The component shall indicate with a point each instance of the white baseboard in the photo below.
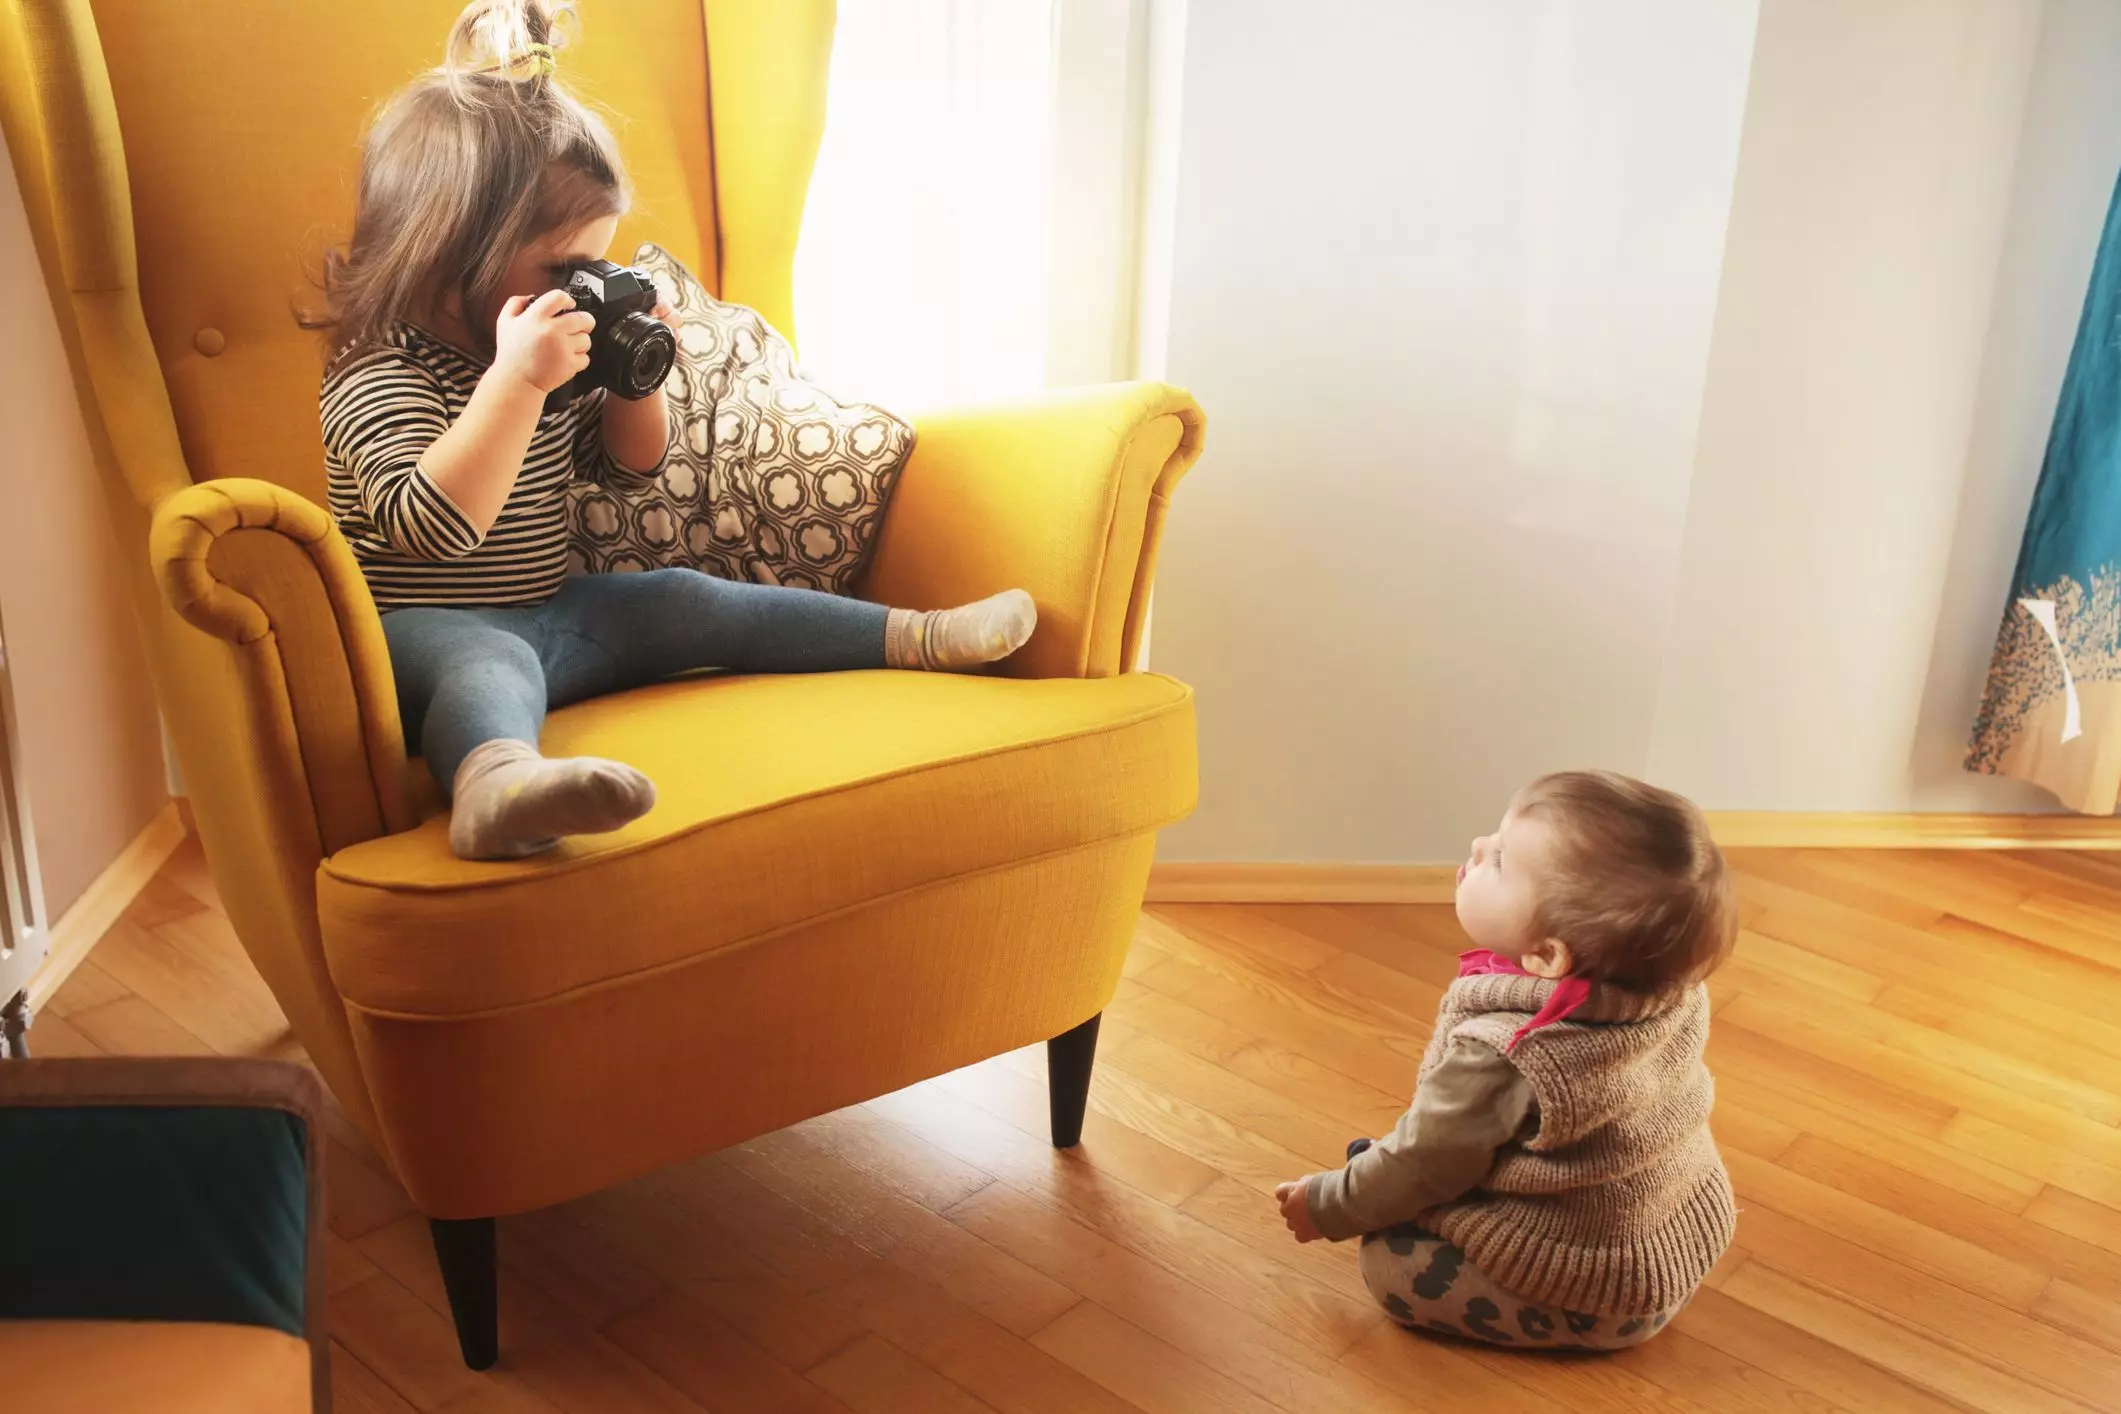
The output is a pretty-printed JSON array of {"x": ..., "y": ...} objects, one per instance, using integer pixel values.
[
  {"x": 104, "y": 901},
  {"x": 1275, "y": 882},
  {"x": 1826, "y": 829},
  {"x": 1301, "y": 883}
]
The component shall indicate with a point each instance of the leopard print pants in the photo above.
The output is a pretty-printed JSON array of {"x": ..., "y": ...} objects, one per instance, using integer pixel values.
[{"x": 1426, "y": 1283}]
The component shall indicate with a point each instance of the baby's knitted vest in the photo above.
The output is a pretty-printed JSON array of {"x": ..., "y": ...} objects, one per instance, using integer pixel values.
[{"x": 1613, "y": 1199}]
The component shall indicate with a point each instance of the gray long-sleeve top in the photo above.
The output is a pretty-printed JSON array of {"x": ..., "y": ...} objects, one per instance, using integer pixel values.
[{"x": 1473, "y": 1103}]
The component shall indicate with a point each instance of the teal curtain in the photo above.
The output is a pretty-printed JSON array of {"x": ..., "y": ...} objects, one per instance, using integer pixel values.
[{"x": 2070, "y": 559}]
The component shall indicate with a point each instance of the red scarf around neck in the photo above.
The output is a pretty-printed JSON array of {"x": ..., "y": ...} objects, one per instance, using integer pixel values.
[{"x": 1569, "y": 992}]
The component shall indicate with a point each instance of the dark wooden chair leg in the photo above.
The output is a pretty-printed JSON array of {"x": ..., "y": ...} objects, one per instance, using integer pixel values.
[
  {"x": 1069, "y": 1057},
  {"x": 464, "y": 1247}
]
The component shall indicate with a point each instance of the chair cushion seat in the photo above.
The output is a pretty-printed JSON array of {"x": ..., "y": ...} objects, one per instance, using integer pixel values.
[
  {"x": 781, "y": 800},
  {"x": 171, "y": 1367}
]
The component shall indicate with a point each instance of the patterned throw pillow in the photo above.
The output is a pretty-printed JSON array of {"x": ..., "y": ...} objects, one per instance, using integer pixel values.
[{"x": 770, "y": 480}]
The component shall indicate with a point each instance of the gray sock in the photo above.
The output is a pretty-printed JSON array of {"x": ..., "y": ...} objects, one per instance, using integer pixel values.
[
  {"x": 951, "y": 640},
  {"x": 510, "y": 801}
]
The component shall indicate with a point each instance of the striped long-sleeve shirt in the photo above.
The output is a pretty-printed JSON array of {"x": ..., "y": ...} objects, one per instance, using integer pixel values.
[{"x": 382, "y": 410}]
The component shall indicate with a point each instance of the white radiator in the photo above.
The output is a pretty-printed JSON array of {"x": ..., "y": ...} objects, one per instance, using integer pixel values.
[{"x": 27, "y": 939}]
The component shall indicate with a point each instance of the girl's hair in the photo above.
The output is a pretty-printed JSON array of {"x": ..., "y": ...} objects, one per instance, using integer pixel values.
[
  {"x": 1640, "y": 892},
  {"x": 464, "y": 169}
]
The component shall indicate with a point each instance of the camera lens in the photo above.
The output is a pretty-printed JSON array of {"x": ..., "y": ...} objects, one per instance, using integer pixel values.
[{"x": 642, "y": 350}]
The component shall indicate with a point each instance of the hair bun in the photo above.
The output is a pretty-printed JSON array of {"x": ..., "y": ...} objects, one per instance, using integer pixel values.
[{"x": 514, "y": 40}]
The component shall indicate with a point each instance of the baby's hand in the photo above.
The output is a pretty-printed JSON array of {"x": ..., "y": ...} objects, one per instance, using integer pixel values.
[
  {"x": 544, "y": 341},
  {"x": 1296, "y": 1209}
]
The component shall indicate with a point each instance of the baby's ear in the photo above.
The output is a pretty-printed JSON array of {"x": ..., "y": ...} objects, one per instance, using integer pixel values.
[{"x": 1549, "y": 958}]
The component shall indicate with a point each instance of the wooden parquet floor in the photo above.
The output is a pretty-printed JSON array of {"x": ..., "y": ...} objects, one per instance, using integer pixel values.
[{"x": 1918, "y": 1060}]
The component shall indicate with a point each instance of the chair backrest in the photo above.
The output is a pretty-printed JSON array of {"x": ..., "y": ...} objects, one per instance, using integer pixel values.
[{"x": 241, "y": 125}]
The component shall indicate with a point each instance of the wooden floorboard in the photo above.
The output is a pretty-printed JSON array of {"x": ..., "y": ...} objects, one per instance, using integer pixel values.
[{"x": 1919, "y": 1067}]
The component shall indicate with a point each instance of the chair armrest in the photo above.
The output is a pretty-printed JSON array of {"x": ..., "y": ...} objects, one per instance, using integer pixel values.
[
  {"x": 1063, "y": 495},
  {"x": 267, "y": 572}
]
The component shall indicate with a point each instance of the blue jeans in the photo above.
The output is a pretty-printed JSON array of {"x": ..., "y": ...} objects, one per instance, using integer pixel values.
[{"x": 470, "y": 676}]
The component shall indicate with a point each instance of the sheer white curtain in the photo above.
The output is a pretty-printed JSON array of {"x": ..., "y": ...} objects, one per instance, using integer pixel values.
[{"x": 924, "y": 273}]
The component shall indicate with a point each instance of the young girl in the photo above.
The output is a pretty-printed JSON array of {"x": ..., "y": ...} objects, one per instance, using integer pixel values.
[
  {"x": 448, "y": 474},
  {"x": 1554, "y": 1183}
]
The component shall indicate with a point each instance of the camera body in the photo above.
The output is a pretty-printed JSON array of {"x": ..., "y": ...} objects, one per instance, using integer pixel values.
[{"x": 630, "y": 350}]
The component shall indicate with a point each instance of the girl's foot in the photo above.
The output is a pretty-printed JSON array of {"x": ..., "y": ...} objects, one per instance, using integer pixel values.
[
  {"x": 952, "y": 640},
  {"x": 510, "y": 801}
]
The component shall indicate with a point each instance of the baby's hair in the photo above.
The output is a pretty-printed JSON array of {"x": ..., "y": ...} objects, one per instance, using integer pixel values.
[
  {"x": 465, "y": 168},
  {"x": 1639, "y": 890}
]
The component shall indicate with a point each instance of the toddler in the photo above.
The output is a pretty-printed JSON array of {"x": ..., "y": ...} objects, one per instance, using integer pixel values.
[
  {"x": 1554, "y": 1183},
  {"x": 448, "y": 471}
]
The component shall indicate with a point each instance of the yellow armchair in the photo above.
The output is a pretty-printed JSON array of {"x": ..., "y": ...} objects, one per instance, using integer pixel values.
[{"x": 849, "y": 883}]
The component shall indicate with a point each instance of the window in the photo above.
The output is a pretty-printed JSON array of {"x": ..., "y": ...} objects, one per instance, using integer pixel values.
[{"x": 971, "y": 227}]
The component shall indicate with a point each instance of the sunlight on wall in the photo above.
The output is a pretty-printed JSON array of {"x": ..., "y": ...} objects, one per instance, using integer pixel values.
[{"x": 922, "y": 278}]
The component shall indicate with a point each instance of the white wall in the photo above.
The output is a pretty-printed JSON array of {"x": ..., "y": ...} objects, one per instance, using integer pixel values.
[
  {"x": 91, "y": 747},
  {"x": 1444, "y": 279},
  {"x": 1874, "y": 183},
  {"x": 1484, "y": 496}
]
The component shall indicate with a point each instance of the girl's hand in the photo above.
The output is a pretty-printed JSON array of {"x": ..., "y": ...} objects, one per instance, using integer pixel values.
[
  {"x": 1296, "y": 1209},
  {"x": 666, "y": 312},
  {"x": 544, "y": 342}
]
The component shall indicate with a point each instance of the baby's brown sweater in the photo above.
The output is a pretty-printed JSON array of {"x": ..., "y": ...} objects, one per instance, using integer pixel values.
[{"x": 1611, "y": 1197}]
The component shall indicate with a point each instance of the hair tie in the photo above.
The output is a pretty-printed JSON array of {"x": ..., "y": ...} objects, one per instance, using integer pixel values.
[{"x": 543, "y": 60}]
